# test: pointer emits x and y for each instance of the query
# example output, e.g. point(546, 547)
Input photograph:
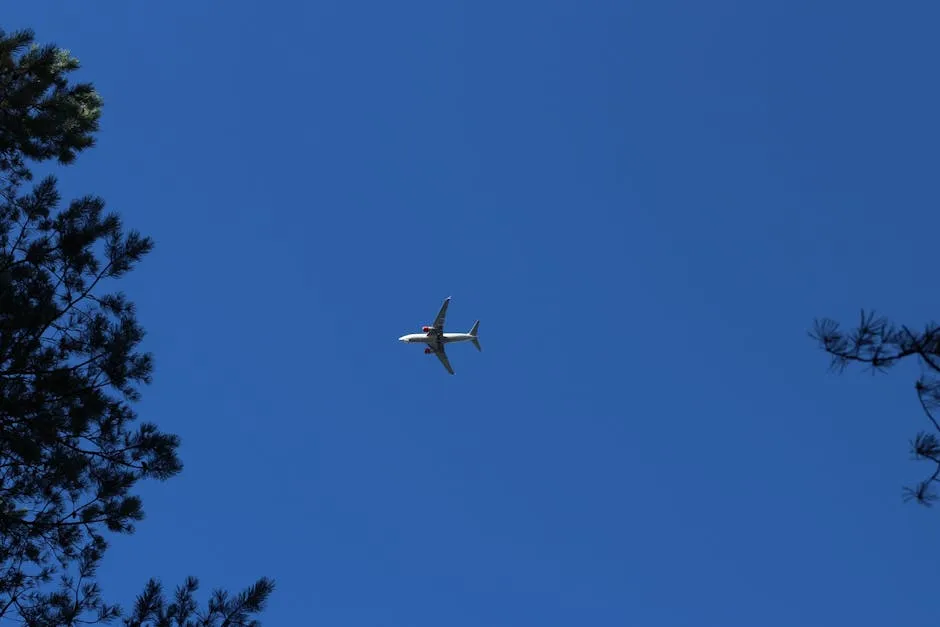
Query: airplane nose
point(401, 339)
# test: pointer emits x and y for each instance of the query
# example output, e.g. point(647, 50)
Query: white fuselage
point(424, 338)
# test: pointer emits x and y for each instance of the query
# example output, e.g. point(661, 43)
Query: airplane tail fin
point(473, 331)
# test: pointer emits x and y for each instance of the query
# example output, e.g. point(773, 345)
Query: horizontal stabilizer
point(473, 331)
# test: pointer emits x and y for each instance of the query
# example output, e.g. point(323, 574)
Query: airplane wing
point(441, 315)
point(443, 357)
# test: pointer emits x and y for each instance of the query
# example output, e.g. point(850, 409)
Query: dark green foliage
point(880, 344)
point(224, 610)
point(42, 116)
point(71, 448)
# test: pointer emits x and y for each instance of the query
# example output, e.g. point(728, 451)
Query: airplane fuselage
point(446, 338)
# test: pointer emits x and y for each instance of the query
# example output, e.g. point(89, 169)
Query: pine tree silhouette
point(71, 447)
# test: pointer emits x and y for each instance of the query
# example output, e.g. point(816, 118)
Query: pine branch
point(71, 451)
point(880, 344)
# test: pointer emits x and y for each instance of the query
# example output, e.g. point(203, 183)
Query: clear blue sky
point(646, 204)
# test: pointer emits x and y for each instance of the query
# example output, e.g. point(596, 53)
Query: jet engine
point(426, 329)
point(427, 351)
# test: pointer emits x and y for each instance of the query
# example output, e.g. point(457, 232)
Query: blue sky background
point(646, 204)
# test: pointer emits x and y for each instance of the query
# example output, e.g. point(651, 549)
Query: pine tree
point(71, 447)
point(881, 344)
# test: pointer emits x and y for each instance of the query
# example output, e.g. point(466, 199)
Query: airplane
point(435, 338)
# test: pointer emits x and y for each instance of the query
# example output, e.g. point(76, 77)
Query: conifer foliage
point(881, 344)
point(71, 446)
